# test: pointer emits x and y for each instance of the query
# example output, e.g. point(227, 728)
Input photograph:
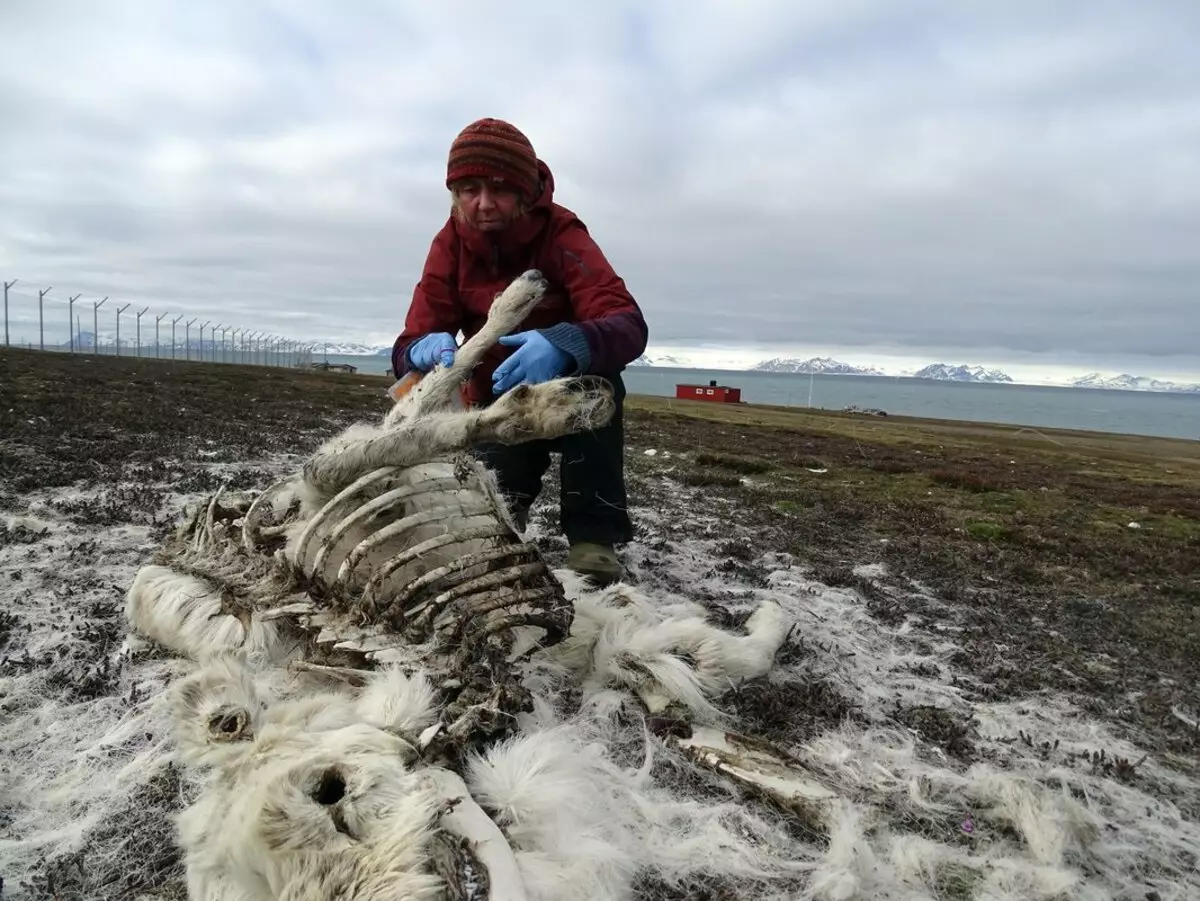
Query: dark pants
point(592, 505)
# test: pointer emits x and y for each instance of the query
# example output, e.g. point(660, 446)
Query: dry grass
point(1024, 534)
point(1019, 539)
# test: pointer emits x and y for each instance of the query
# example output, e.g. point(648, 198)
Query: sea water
point(1125, 412)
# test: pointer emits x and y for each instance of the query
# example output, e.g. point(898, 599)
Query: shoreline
point(775, 414)
point(752, 409)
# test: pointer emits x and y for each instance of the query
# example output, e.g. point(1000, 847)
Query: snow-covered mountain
point(816, 365)
point(1126, 382)
point(129, 339)
point(349, 349)
point(664, 360)
point(681, 359)
point(944, 372)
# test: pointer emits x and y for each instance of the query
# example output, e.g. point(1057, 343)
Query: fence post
point(187, 339)
point(41, 318)
point(157, 320)
point(120, 310)
point(7, 285)
point(173, 342)
point(139, 332)
point(71, 318)
point(96, 325)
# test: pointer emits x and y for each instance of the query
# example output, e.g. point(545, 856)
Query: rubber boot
point(596, 561)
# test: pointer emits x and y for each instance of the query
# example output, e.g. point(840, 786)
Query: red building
point(720, 394)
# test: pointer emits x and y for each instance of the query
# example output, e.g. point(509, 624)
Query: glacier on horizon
point(1126, 382)
point(778, 365)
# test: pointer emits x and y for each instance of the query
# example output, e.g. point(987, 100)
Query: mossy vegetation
point(1077, 553)
point(1000, 523)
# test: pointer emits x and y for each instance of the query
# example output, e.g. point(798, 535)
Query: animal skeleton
point(370, 637)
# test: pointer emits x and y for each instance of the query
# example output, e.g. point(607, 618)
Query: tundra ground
point(1060, 566)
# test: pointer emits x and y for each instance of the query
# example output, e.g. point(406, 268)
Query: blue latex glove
point(427, 352)
point(536, 360)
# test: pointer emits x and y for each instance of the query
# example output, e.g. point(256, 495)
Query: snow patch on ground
point(87, 781)
point(1033, 800)
point(942, 793)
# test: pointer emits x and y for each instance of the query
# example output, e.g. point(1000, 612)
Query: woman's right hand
point(429, 351)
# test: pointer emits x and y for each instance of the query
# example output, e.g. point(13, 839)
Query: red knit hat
point(491, 148)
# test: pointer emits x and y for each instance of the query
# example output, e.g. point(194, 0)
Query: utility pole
point(7, 285)
point(96, 325)
point(139, 331)
point(120, 310)
point(41, 318)
point(157, 320)
point(173, 321)
point(71, 318)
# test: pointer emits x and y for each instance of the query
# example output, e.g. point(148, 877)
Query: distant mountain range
point(943, 372)
point(815, 365)
point(1125, 382)
point(349, 349)
point(663, 361)
point(129, 340)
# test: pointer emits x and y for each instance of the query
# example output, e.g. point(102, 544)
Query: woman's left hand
point(536, 360)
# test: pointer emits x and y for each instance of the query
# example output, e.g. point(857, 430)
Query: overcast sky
point(984, 182)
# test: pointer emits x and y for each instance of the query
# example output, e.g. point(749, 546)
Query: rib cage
point(415, 561)
point(421, 563)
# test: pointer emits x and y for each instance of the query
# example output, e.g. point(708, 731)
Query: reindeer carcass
point(370, 637)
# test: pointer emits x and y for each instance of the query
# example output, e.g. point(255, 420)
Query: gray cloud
point(1015, 177)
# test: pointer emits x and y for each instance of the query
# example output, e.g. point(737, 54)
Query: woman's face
point(487, 205)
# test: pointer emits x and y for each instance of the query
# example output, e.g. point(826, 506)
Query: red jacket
point(587, 310)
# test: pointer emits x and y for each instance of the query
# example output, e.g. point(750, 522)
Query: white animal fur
point(266, 758)
point(666, 653)
point(257, 828)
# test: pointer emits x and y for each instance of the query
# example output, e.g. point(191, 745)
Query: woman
point(504, 221)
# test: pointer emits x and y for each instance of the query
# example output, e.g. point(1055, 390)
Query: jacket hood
point(546, 199)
